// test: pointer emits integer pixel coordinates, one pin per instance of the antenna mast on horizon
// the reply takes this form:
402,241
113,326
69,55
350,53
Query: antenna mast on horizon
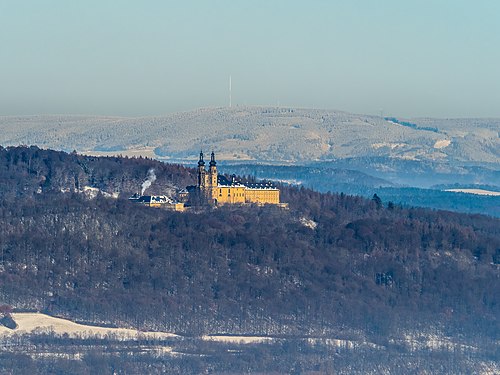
230,98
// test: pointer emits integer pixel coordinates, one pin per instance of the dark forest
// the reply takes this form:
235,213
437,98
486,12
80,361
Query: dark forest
368,268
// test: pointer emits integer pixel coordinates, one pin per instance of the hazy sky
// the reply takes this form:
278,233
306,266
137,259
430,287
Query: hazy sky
408,57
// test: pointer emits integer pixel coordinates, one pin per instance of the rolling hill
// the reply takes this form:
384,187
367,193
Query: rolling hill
337,283
268,134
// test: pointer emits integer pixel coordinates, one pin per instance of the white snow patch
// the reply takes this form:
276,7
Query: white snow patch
408,157
92,192
332,342
336,343
158,350
51,355
340,343
442,143
238,339
475,191
489,368
392,146
287,181
433,341
35,322
308,223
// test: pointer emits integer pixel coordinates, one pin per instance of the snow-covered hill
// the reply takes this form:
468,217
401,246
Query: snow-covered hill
264,134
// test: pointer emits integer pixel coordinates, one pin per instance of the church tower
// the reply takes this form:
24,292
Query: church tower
202,173
212,172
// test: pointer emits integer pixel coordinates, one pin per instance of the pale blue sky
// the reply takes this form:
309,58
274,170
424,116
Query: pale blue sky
116,57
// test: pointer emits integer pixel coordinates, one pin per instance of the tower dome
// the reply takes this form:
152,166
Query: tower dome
213,163
201,162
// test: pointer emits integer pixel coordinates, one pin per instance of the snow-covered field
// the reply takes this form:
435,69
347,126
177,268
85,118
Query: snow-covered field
132,343
38,322
475,191
238,339
442,143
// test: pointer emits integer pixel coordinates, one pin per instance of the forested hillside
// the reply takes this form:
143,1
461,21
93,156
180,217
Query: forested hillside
324,179
25,171
331,265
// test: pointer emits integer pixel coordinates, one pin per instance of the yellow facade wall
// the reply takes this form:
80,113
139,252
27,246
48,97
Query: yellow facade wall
271,196
242,194
228,194
177,206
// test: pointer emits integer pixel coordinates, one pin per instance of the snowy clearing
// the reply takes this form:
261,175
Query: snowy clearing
308,223
475,191
392,146
238,339
32,322
442,144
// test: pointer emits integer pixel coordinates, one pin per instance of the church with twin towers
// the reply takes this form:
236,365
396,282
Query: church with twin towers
220,190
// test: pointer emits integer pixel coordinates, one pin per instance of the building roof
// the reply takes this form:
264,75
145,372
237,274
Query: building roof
261,185
224,181
151,199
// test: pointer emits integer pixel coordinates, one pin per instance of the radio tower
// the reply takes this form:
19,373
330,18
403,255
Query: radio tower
230,98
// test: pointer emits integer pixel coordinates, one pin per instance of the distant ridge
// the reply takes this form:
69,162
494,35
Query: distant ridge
272,134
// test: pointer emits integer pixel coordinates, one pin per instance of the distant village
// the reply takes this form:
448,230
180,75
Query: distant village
215,190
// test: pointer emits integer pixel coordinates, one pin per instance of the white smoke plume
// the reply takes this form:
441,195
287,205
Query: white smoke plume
149,180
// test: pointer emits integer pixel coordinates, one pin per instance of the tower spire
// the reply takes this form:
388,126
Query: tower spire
212,173
213,163
201,163
202,173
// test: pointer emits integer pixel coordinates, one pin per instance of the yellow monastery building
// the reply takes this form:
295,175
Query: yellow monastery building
220,190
